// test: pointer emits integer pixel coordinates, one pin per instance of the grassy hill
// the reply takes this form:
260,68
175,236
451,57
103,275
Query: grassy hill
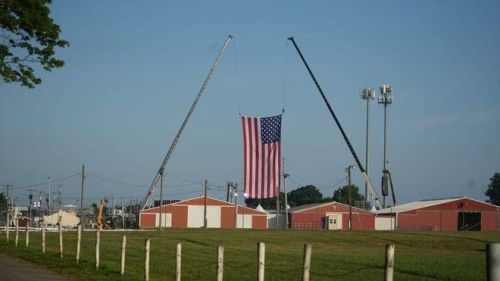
353,256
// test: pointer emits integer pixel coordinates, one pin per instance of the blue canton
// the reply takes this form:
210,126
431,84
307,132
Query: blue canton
270,128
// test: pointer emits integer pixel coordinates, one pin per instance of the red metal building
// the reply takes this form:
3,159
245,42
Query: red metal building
190,214
23,222
444,215
332,216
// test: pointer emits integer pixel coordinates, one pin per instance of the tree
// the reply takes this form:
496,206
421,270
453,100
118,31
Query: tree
3,202
267,204
3,207
28,37
304,195
493,191
341,195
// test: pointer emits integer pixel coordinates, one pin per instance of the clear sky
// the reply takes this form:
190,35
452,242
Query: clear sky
134,67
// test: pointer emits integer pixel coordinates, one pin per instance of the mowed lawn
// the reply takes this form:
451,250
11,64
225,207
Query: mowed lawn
356,255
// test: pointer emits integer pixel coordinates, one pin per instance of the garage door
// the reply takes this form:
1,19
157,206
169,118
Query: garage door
196,213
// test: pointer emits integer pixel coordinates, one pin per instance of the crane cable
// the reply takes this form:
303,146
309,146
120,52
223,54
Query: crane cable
237,78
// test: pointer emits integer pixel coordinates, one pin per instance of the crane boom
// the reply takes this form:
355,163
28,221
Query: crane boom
373,193
152,188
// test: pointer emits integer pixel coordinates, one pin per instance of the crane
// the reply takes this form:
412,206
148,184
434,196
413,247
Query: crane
159,174
99,223
371,189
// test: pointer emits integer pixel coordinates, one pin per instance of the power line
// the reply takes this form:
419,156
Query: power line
115,181
133,184
184,179
45,182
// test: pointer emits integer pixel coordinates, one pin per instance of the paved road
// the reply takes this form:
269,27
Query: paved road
12,269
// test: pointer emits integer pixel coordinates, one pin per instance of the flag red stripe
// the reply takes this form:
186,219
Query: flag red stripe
262,167
270,148
256,137
250,150
277,164
245,158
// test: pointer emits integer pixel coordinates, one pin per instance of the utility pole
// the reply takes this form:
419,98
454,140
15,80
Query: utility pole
30,197
52,205
278,208
235,207
30,208
59,194
228,191
348,170
385,99
7,186
123,215
112,207
7,193
285,175
161,197
40,215
205,206
48,201
8,211
368,95
82,218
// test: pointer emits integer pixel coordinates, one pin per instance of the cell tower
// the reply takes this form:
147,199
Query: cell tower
368,95
385,98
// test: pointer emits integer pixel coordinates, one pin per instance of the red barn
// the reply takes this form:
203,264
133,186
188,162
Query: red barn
190,214
444,215
332,216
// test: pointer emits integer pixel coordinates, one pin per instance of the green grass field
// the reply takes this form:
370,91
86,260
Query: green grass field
335,256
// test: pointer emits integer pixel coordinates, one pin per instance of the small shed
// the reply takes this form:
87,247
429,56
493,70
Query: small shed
450,214
331,216
23,222
190,214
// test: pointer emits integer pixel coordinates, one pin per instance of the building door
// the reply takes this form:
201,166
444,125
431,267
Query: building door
469,221
333,221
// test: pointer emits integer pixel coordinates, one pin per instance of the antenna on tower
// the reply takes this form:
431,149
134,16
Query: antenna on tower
385,98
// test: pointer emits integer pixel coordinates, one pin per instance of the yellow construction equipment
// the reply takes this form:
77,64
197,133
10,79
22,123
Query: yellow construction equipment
100,224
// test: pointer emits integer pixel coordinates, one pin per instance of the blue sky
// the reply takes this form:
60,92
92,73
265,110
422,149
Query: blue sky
134,67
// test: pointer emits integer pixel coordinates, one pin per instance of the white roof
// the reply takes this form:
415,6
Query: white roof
415,205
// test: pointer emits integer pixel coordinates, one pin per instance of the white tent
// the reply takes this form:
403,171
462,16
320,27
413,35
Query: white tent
67,219
260,209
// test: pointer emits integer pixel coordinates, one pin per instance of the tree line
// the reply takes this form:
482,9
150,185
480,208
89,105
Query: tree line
308,194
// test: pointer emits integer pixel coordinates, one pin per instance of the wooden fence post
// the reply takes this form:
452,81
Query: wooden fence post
493,261
389,262
97,245
61,255
146,259
78,243
17,235
27,236
220,263
43,239
124,246
261,254
307,261
178,262
7,226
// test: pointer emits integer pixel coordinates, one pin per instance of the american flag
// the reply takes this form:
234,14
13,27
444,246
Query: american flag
261,156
